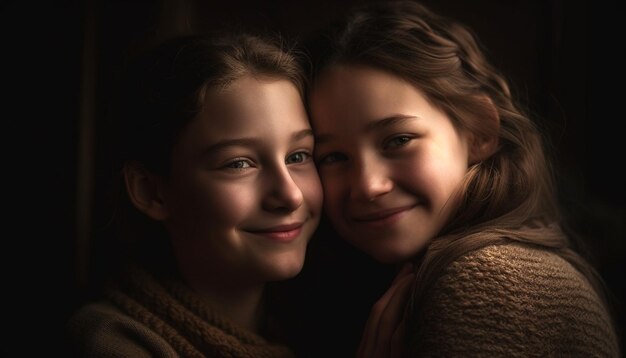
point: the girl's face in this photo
(244, 197)
(390, 162)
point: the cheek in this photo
(333, 193)
(219, 203)
(232, 203)
(436, 177)
(309, 183)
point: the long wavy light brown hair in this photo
(510, 196)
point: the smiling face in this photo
(390, 162)
(243, 196)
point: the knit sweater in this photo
(512, 301)
(151, 318)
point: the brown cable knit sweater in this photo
(512, 301)
(150, 318)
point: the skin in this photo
(243, 197)
(390, 162)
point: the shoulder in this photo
(100, 329)
(507, 273)
(516, 267)
(503, 298)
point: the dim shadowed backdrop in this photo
(59, 63)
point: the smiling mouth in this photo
(383, 216)
(281, 233)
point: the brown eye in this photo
(298, 157)
(238, 164)
(398, 141)
(332, 158)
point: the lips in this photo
(281, 233)
(382, 214)
(281, 228)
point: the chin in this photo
(285, 269)
(388, 255)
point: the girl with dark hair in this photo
(220, 196)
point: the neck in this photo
(240, 305)
(238, 302)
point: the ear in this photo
(144, 190)
(484, 142)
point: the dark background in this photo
(60, 58)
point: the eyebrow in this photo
(302, 134)
(374, 125)
(251, 141)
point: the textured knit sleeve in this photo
(512, 301)
(100, 330)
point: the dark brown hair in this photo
(161, 90)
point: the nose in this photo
(370, 180)
(282, 194)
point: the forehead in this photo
(351, 95)
(250, 103)
(354, 77)
(249, 107)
